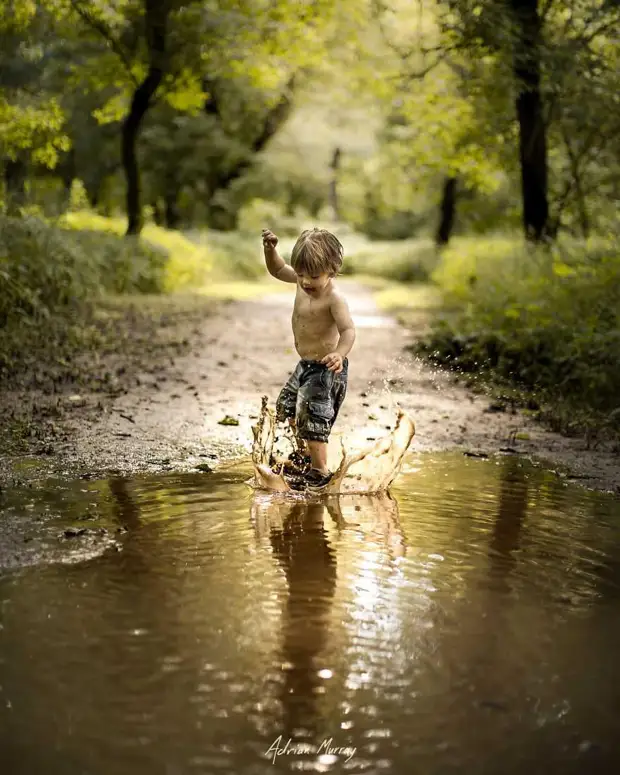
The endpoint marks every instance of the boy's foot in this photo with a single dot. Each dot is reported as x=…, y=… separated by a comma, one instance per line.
x=317, y=478
x=302, y=461
x=296, y=463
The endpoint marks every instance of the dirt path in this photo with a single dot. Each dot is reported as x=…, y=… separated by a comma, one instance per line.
x=171, y=421
x=166, y=417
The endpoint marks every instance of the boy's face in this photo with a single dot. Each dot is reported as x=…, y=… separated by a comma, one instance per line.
x=313, y=285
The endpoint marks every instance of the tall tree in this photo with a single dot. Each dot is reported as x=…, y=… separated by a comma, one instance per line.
x=156, y=14
x=137, y=35
x=529, y=107
x=31, y=117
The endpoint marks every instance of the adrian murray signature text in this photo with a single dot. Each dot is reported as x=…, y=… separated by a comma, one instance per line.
x=289, y=748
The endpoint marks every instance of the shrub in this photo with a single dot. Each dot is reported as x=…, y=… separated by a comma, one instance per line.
x=39, y=270
x=409, y=261
x=547, y=318
x=261, y=214
x=44, y=269
x=187, y=264
x=236, y=255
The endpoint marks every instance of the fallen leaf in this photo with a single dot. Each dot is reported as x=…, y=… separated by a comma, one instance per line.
x=228, y=421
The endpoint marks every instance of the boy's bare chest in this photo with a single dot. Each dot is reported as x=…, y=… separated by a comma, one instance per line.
x=311, y=313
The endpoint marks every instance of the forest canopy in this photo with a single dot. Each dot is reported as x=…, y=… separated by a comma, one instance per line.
x=374, y=112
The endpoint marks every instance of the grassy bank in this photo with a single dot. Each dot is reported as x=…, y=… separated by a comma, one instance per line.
x=51, y=275
x=83, y=310
x=542, y=321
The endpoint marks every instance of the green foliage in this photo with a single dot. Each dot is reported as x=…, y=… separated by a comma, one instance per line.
x=78, y=198
x=395, y=225
x=406, y=261
x=32, y=126
x=547, y=319
x=32, y=120
x=44, y=269
x=236, y=256
x=187, y=264
x=259, y=214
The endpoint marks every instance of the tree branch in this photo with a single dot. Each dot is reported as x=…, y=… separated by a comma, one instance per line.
x=99, y=26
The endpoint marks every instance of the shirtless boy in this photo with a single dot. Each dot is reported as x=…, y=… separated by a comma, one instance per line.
x=324, y=335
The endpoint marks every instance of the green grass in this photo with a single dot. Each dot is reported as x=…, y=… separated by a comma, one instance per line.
x=188, y=264
x=544, y=319
x=406, y=261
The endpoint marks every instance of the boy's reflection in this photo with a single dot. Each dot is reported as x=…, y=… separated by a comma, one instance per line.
x=309, y=564
x=300, y=543
x=511, y=513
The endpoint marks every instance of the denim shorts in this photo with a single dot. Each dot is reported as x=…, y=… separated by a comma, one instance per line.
x=313, y=396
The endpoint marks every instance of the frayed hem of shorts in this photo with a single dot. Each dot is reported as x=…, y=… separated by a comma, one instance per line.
x=313, y=437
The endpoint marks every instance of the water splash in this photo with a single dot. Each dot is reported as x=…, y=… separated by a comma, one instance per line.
x=370, y=470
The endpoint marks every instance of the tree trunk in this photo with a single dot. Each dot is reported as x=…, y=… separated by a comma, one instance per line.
x=333, y=184
x=172, y=216
x=94, y=185
x=67, y=175
x=140, y=104
x=276, y=117
x=15, y=185
x=447, y=211
x=158, y=213
x=575, y=158
x=155, y=19
x=532, y=130
x=584, y=220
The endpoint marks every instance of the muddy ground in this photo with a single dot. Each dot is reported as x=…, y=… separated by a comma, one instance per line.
x=161, y=408
x=163, y=405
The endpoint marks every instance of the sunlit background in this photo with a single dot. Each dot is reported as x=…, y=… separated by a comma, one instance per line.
x=467, y=154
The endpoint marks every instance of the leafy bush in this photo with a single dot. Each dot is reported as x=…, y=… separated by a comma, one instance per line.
x=44, y=268
x=397, y=225
x=187, y=264
x=547, y=318
x=39, y=270
x=235, y=255
x=410, y=261
x=261, y=214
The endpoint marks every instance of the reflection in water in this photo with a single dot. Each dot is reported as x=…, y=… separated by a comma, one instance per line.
x=309, y=564
x=298, y=536
x=511, y=511
x=468, y=624
x=127, y=510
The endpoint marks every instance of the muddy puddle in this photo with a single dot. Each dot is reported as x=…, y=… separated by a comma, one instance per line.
x=467, y=622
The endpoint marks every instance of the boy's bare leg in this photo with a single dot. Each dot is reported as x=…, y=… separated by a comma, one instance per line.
x=318, y=453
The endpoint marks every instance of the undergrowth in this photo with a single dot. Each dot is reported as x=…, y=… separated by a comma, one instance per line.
x=542, y=319
x=50, y=274
x=409, y=261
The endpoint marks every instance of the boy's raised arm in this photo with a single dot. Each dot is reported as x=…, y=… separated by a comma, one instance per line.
x=276, y=265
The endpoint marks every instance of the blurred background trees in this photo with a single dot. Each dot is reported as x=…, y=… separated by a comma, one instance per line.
x=398, y=118
x=475, y=145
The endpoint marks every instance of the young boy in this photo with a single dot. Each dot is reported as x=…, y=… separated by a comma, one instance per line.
x=324, y=335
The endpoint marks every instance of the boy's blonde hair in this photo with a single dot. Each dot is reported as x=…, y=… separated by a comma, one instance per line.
x=317, y=251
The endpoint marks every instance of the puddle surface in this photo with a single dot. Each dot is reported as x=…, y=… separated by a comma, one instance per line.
x=469, y=623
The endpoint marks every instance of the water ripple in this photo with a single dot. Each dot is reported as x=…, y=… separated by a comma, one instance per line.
x=470, y=622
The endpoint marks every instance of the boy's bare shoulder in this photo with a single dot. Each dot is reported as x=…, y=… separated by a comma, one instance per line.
x=337, y=297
